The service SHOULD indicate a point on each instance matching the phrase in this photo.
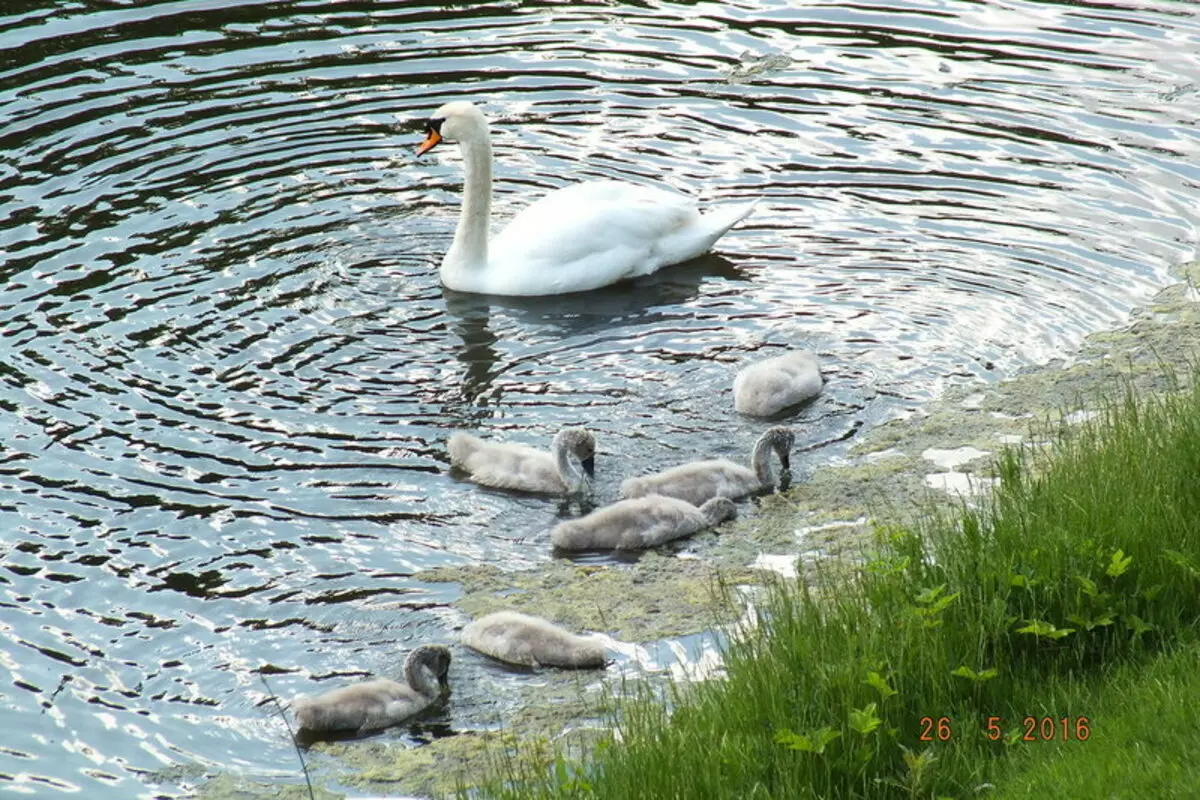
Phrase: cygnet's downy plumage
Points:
(530, 641)
(700, 481)
(640, 523)
(767, 387)
(566, 469)
(370, 706)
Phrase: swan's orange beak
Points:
(432, 138)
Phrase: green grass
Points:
(1085, 565)
(1144, 722)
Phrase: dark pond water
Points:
(227, 367)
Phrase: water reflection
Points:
(640, 303)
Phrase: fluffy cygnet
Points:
(640, 523)
(531, 642)
(567, 468)
(700, 481)
(376, 704)
(767, 387)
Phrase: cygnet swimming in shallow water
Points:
(700, 481)
(767, 387)
(531, 642)
(370, 706)
(639, 523)
(566, 469)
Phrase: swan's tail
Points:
(722, 218)
(697, 238)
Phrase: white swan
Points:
(531, 642)
(767, 387)
(700, 481)
(567, 468)
(581, 237)
(376, 704)
(639, 523)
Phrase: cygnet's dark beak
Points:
(589, 465)
(433, 135)
(785, 458)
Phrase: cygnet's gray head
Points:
(718, 509)
(582, 443)
(435, 657)
(781, 439)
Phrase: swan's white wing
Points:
(592, 234)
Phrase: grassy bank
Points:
(955, 649)
(1146, 718)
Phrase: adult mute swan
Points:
(582, 237)
(699, 481)
(530, 641)
(370, 706)
(639, 523)
(767, 387)
(566, 469)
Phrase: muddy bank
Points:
(943, 454)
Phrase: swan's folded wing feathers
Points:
(596, 231)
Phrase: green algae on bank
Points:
(235, 787)
(657, 597)
(435, 769)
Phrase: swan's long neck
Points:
(469, 251)
(570, 469)
(761, 461)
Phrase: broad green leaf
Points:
(880, 683)
(1120, 562)
(812, 743)
(966, 672)
(1091, 623)
(1137, 624)
(930, 594)
(864, 719)
(1042, 628)
(919, 762)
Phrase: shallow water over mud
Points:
(227, 368)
